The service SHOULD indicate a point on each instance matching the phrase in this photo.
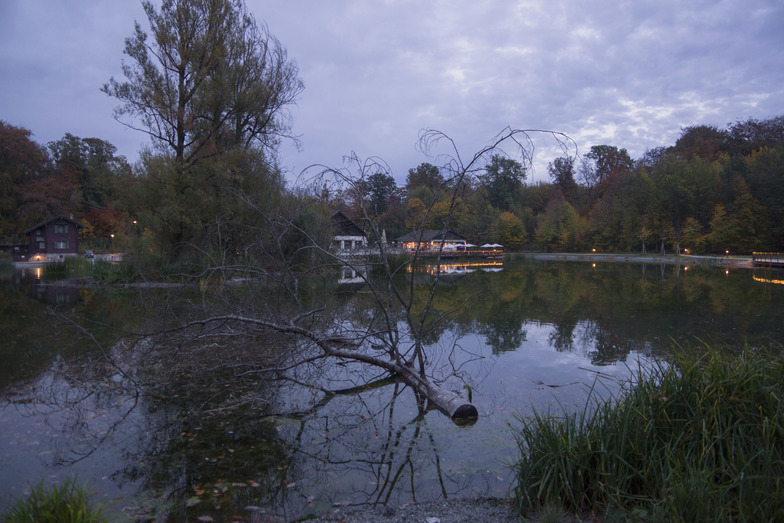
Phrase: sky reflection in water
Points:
(376, 446)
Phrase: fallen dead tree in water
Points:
(390, 335)
(391, 328)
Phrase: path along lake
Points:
(192, 436)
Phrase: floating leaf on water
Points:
(192, 501)
(204, 518)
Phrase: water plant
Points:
(63, 503)
(697, 439)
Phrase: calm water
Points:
(528, 336)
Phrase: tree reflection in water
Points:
(234, 424)
(372, 444)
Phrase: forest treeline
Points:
(714, 190)
(212, 90)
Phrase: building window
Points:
(62, 298)
(42, 245)
(61, 244)
(59, 229)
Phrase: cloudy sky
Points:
(623, 73)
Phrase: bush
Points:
(698, 440)
(66, 503)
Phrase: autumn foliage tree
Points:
(209, 79)
(22, 161)
(510, 231)
(103, 181)
(211, 87)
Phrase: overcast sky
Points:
(623, 73)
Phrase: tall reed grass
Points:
(63, 503)
(698, 439)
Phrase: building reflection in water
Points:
(463, 267)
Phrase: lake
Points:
(202, 431)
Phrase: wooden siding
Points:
(53, 238)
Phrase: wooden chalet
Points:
(52, 240)
(347, 236)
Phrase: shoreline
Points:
(743, 262)
(453, 510)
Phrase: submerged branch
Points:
(449, 402)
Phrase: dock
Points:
(768, 259)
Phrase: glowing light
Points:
(38, 272)
(766, 280)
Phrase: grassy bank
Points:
(701, 439)
(63, 503)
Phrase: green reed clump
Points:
(63, 503)
(700, 439)
(71, 266)
(125, 271)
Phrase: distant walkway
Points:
(768, 259)
(114, 257)
(724, 261)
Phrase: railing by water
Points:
(770, 259)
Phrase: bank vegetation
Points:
(698, 440)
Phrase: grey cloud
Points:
(626, 73)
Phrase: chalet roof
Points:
(344, 226)
(429, 235)
(50, 220)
